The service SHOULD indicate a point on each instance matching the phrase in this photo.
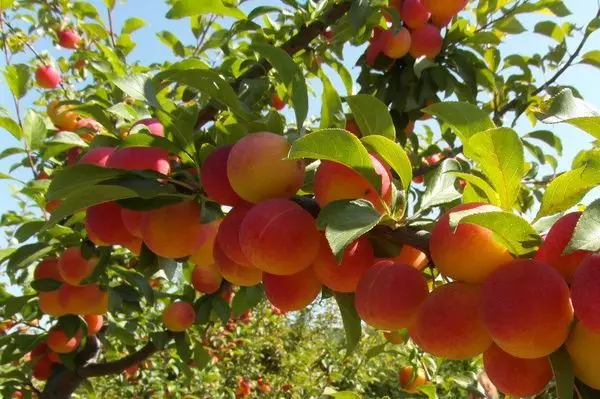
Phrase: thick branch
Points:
(117, 366)
(515, 102)
(292, 46)
(405, 235)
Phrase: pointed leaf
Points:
(339, 146)
(515, 232)
(372, 116)
(345, 221)
(465, 119)
(499, 154)
(393, 154)
(292, 77)
(587, 231)
(350, 319)
(440, 187)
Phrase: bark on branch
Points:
(296, 43)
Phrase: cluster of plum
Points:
(419, 34)
(46, 75)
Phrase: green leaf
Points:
(547, 137)
(339, 146)
(591, 58)
(14, 304)
(221, 308)
(515, 232)
(551, 30)
(393, 154)
(510, 25)
(211, 84)
(140, 86)
(372, 116)
(246, 298)
(160, 339)
(350, 319)
(188, 8)
(481, 185)
(34, 130)
(132, 24)
(464, 118)
(586, 235)
(88, 196)
(137, 280)
(6, 4)
(569, 188)
(28, 230)
(70, 138)
(332, 112)
(17, 77)
(26, 254)
(359, 13)
(345, 221)
(440, 187)
(499, 154)
(201, 357)
(563, 373)
(76, 177)
(291, 75)
(564, 107)
(45, 285)
(11, 126)
(110, 3)
(182, 343)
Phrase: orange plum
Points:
(426, 41)
(60, 342)
(292, 292)
(228, 236)
(140, 158)
(515, 376)
(414, 14)
(179, 316)
(449, 325)
(207, 278)
(204, 255)
(73, 267)
(96, 156)
(389, 294)
(470, 253)
(214, 178)
(396, 44)
(235, 273)
(412, 256)
(585, 293)
(584, 349)
(94, 323)
(279, 237)
(257, 168)
(555, 243)
(104, 223)
(343, 277)
(174, 231)
(526, 308)
(334, 181)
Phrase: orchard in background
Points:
(187, 229)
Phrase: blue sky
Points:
(150, 49)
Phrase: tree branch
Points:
(118, 366)
(515, 102)
(405, 235)
(296, 43)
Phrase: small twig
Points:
(110, 27)
(296, 43)
(512, 104)
(202, 36)
(418, 239)
(118, 366)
